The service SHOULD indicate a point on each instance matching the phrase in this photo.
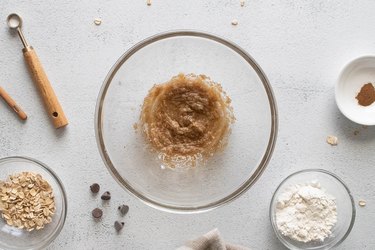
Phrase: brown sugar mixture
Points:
(186, 118)
(366, 96)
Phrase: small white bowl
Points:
(354, 75)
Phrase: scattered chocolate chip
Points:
(124, 209)
(106, 196)
(95, 188)
(119, 225)
(97, 213)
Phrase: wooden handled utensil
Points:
(22, 115)
(55, 111)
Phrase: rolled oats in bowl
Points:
(33, 204)
(26, 201)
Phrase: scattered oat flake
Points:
(149, 2)
(98, 21)
(234, 22)
(332, 140)
(362, 203)
(242, 2)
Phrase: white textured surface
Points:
(301, 45)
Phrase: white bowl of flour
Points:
(312, 209)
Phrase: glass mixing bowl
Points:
(14, 238)
(227, 174)
(344, 202)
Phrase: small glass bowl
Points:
(14, 238)
(345, 208)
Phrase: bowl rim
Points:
(323, 171)
(61, 223)
(244, 186)
(339, 82)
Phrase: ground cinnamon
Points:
(366, 96)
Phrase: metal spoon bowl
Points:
(14, 21)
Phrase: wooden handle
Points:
(22, 115)
(51, 102)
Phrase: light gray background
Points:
(301, 45)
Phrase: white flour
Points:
(306, 212)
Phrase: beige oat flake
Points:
(362, 203)
(234, 22)
(98, 21)
(332, 140)
(26, 201)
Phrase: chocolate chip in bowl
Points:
(33, 204)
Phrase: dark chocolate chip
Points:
(124, 209)
(119, 225)
(97, 213)
(106, 196)
(95, 188)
